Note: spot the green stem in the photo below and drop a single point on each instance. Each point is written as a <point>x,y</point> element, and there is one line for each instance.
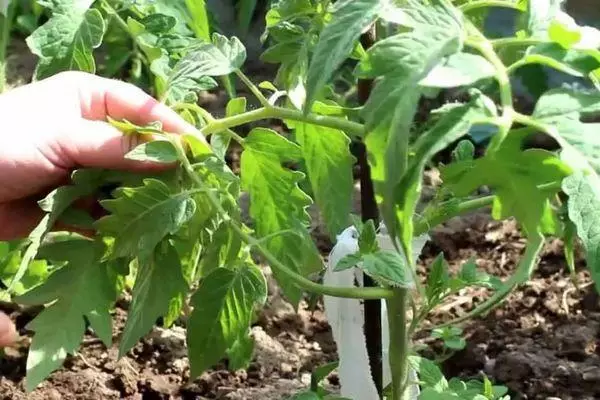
<point>349,127</point>
<point>442,215</point>
<point>399,342</point>
<point>506,119</point>
<point>487,3</point>
<point>253,88</point>
<point>513,41</point>
<point>297,279</point>
<point>207,117</point>
<point>120,21</point>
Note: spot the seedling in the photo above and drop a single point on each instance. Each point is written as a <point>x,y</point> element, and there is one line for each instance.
<point>181,232</point>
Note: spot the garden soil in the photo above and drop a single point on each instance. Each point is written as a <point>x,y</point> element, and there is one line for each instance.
<point>543,343</point>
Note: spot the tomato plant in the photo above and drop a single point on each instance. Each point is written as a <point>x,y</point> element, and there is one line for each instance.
<point>181,236</point>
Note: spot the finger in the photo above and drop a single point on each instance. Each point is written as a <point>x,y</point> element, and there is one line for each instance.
<point>8,332</point>
<point>18,218</point>
<point>103,97</point>
<point>98,144</point>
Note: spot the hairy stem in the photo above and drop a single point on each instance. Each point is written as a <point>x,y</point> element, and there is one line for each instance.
<point>297,279</point>
<point>473,5</point>
<point>397,308</point>
<point>506,101</point>
<point>208,118</point>
<point>253,88</point>
<point>219,125</point>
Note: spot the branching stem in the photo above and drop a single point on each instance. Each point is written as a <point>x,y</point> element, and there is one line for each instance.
<point>299,280</point>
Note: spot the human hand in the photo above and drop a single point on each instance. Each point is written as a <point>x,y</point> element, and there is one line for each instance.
<point>53,126</point>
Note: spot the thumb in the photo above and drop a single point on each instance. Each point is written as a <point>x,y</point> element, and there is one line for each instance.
<point>97,144</point>
<point>8,332</point>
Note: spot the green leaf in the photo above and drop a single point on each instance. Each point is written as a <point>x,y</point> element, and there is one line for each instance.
<point>460,69</point>
<point>66,41</point>
<point>223,309</point>
<point>367,240</point>
<point>142,216</point>
<point>387,267</point>
<point>240,354</point>
<point>329,163</point>
<point>514,174</point>
<point>402,61</point>
<point>55,204</point>
<point>451,126</point>
<point>464,151</point>
<point>158,151</point>
<point>429,373</point>
<point>564,109</point>
<point>278,204</point>
<point>158,23</point>
<point>321,372</point>
<point>82,288</point>
<point>578,63</point>
<point>349,19</point>
<point>584,211</point>
<point>221,57</point>
<point>198,18</point>
<point>159,279</point>
<point>186,78</point>
<point>437,280</point>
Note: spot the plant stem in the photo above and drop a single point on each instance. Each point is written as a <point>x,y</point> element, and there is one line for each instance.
<point>219,125</point>
<point>207,117</point>
<point>442,215</point>
<point>253,88</point>
<point>513,41</point>
<point>120,21</point>
<point>399,342</point>
<point>506,119</point>
<point>487,3</point>
<point>299,280</point>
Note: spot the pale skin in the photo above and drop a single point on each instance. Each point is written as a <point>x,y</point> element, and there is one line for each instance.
<point>53,126</point>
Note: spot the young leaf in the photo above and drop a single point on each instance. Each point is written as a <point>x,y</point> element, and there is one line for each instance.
<point>329,162</point>
<point>67,39</point>
<point>81,288</point>
<point>223,308</point>
<point>563,109</point>
<point>219,58</point>
<point>158,151</point>
<point>349,19</point>
<point>429,373</point>
<point>437,281</point>
<point>584,211</point>
<point>277,203</point>
<point>514,174</point>
<point>460,69</point>
<point>159,279</point>
<point>142,216</point>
